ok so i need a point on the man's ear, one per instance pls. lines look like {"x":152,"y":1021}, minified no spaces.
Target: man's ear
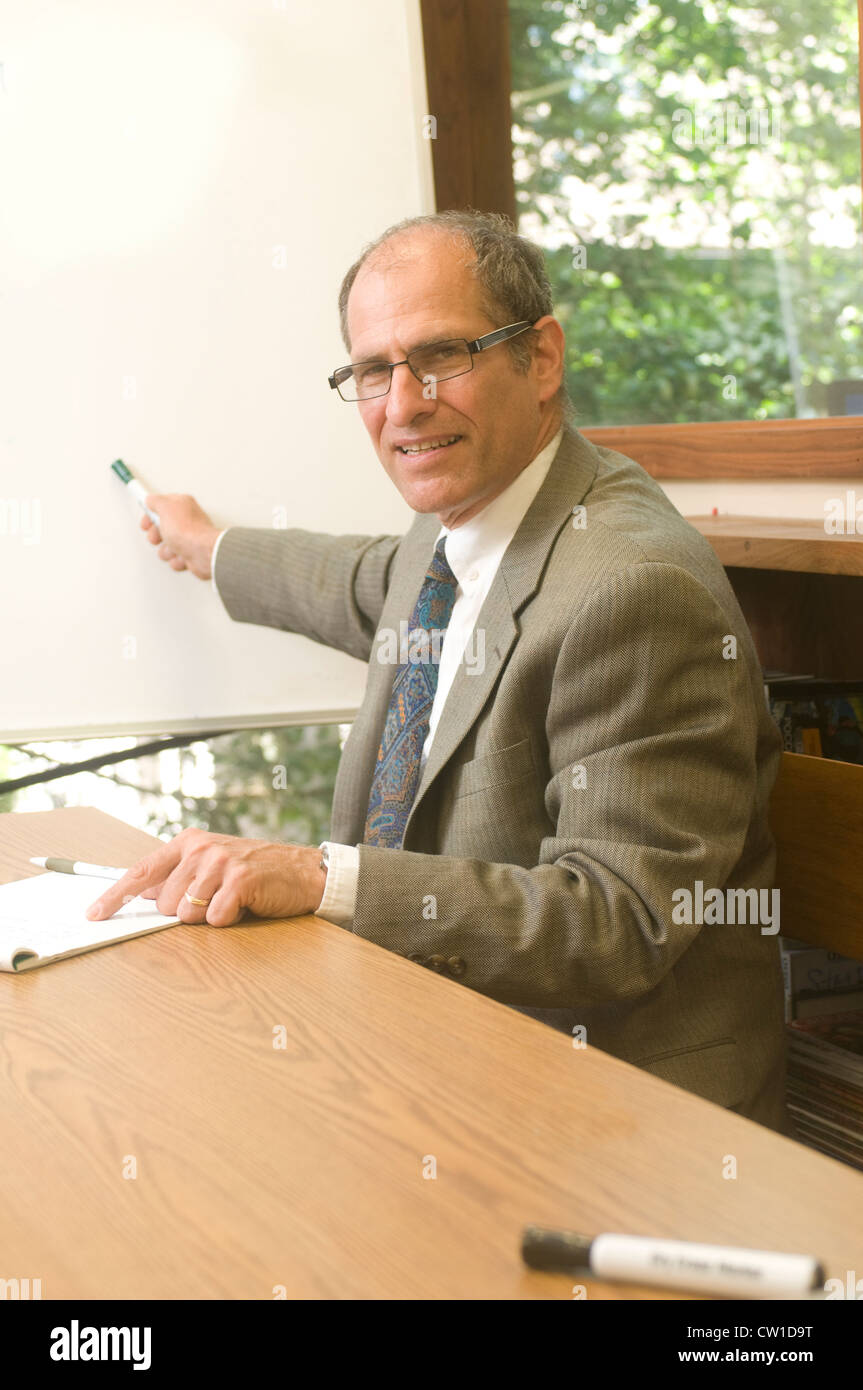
{"x":548,"y":355}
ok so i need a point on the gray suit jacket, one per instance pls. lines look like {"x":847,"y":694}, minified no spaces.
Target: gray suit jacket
{"x":546,"y":887}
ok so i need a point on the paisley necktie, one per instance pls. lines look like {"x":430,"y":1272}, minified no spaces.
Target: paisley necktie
{"x":397,"y":771}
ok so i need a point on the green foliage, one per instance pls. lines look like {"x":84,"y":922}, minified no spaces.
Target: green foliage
{"x":657,"y":322}
{"x":272,"y":784}
{"x":669,"y":337}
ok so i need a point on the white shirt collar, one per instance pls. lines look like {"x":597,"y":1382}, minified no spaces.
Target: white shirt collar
{"x":481,"y":542}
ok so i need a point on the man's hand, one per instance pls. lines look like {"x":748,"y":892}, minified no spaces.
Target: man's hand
{"x":186,"y":535}
{"x":231,"y":874}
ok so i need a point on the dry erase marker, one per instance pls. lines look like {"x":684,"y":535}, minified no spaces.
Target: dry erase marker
{"x":674,"y":1264}
{"x":77,"y":866}
{"x":138,"y":491}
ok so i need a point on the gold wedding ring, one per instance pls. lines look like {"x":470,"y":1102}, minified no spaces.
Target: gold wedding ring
{"x":197,"y":902}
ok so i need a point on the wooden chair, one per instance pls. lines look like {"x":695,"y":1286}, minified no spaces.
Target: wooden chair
{"x":816,"y":815}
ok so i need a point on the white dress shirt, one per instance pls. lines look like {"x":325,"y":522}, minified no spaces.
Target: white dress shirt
{"x":474,"y":552}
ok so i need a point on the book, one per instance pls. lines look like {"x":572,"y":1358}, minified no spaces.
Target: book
{"x":817,"y":716}
{"x":815,"y":970}
{"x":817,"y":1005}
{"x":42,"y":919}
{"x":839,"y":1039}
{"x":818,"y":981}
{"x":825,"y":1084}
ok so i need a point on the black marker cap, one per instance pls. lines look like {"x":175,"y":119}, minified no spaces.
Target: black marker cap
{"x":563,"y":1251}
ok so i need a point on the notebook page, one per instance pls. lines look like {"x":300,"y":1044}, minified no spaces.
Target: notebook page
{"x":43,"y":917}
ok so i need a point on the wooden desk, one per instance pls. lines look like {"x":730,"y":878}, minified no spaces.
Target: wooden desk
{"x":303,"y":1167}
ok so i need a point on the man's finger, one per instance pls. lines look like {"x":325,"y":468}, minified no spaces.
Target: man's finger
{"x":226,"y":906}
{"x":153,"y":869}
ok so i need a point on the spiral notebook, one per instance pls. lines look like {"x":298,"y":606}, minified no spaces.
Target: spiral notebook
{"x":42,"y":918}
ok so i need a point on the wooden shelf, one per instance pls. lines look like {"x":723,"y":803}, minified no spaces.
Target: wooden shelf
{"x":780,"y":450}
{"x":758,"y":542}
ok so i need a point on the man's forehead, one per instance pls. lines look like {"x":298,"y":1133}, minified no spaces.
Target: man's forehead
{"x":411,"y":289}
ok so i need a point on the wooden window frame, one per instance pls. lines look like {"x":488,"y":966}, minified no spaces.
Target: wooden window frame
{"x":468,"y":80}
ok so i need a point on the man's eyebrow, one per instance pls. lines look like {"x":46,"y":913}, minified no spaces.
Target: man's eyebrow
{"x":426,"y":342}
{"x":372,"y":357}
{"x":438,"y":338}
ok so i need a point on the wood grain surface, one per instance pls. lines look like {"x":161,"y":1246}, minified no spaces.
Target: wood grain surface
{"x":760,"y":542}
{"x":816,"y":815}
{"x":260,"y":1168}
{"x":778,"y":449}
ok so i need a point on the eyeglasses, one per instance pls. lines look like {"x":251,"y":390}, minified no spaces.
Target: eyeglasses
{"x":361,"y":381}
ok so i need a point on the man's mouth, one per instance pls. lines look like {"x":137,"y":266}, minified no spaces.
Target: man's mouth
{"x":427,"y":446}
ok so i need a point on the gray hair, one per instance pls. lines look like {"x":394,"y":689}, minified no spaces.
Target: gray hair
{"x":509,"y":269}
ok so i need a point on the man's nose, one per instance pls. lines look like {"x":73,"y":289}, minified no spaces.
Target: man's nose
{"x":406,"y":398}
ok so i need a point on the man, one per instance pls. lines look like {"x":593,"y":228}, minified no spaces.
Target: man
{"x":564,"y":734}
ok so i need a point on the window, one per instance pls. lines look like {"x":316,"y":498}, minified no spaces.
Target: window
{"x":693,"y":171}
{"x":272,"y":784}
{"x":752,"y":346}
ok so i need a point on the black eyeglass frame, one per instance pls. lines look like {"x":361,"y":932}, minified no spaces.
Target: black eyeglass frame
{"x":474,"y":345}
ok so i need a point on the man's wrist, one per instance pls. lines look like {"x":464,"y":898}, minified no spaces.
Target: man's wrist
{"x":340,"y":893}
{"x":206,"y":548}
{"x":319,"y":863}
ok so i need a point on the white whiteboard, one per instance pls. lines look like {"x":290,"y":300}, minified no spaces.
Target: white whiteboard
{"x":182,"y":188}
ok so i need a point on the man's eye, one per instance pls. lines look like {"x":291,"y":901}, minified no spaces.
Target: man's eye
{"x":440,"y":355}
{"x":369,"y":373}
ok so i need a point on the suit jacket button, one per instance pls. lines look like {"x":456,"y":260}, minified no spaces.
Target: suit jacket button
{"x":437,"y":963}
{"x":456,"y":965}
{"x":420,"y":960}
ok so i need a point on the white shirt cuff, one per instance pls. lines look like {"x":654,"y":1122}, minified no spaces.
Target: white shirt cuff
{"x":340,"y":894}
{"x":213,"y":560}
